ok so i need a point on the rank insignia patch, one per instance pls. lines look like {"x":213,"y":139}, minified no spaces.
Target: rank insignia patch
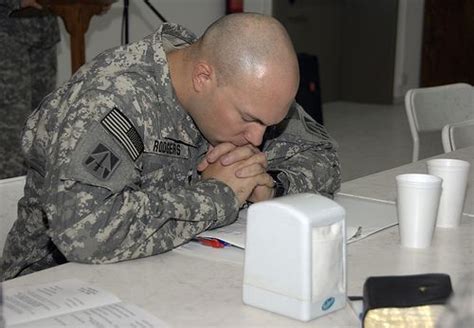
{"x":102,"y":162}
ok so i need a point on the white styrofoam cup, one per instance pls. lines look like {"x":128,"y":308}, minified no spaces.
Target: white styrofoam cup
{"x":417,"y":205}
{"x":454,"y":173}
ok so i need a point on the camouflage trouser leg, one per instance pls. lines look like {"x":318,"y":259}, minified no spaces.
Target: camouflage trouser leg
{"x":26,"y":76}
{"x":43,"y":73}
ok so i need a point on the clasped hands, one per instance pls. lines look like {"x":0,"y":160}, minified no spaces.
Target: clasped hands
{"x":243,"y":169}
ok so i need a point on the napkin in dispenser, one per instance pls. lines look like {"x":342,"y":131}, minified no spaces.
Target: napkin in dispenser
{"x":295,"y":256}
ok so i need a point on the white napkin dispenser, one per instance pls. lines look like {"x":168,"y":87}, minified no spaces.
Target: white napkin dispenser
{"x":295,"y":256}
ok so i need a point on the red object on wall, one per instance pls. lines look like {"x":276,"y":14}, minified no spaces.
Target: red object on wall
{"x":234,"y":6}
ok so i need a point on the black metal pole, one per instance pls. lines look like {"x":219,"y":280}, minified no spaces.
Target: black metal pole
{"x":157,"y":13}
{"x":125,"y":22}
{"x":125,"y":18}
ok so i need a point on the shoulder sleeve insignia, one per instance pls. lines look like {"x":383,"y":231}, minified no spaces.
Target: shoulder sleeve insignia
{"x":122,"y":129}
{"x":101,"y":162}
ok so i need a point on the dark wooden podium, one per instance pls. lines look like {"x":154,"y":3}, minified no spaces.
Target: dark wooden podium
{"x":76,"y":15}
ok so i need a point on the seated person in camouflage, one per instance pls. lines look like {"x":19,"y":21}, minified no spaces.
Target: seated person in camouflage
{"x":152,"y":143}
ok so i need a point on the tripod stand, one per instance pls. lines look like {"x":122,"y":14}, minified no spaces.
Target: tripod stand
{"x":125,"y":19}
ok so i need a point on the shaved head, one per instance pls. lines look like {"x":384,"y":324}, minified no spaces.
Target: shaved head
{"x":245,"y":45}
{"x":239,"y":78}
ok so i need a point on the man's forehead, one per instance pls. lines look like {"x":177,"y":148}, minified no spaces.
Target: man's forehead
{"x":269,"y":105}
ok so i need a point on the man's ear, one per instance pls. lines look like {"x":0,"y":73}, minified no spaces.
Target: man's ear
{"x":203,"y":76}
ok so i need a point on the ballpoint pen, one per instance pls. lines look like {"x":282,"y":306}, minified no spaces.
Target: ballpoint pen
{"x":212,"y":242}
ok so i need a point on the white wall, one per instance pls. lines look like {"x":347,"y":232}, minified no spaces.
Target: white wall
{"x":259,"y":6}
{"x":408,"y":53}
{"x":104,"y":31}
{"x":317,"y":27}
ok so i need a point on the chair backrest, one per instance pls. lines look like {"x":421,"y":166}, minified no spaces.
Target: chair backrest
{"x":11,"y":190}
{"x":430,"y":109}
{"x":458,"y":135}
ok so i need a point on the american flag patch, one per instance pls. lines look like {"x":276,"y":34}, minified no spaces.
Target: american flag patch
{"x":122,"y":129}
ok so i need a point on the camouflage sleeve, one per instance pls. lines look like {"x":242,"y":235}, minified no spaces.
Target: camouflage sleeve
{"x":100,"y":209}
{"x":11,"y":4}
{"x":302,"y":155}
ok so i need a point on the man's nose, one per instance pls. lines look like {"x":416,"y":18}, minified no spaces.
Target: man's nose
{"x":255,"y":134}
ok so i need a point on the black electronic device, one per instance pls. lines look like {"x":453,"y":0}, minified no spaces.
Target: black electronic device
{"x":309,"y":90}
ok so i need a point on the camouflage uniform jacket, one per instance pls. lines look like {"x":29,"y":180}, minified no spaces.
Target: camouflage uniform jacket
{"x":41,"y":31}
{"x":112,"y":164}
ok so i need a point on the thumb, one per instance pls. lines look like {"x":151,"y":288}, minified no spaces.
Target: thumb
{"x":202,"y":165}
{"x":265,"y":179}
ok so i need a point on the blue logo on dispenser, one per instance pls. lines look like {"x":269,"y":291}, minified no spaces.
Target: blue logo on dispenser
{"x":328,"y":303}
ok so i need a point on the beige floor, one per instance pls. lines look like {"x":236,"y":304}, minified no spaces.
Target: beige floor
{"x":371,"y":138}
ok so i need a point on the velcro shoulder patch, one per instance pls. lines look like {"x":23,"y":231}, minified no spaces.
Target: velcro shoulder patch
{"x":101,"y":162}
{"x":123,"y":130}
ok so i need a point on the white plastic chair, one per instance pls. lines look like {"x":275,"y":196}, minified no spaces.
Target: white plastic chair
{"x":458,"y":135}
{"x":11,"y":190}
{"x":430,"y":109}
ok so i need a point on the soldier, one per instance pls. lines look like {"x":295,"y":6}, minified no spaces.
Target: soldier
{"x":27,"y":74}
{"x":154,"y":142}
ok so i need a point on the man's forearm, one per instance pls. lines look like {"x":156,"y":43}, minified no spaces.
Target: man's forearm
{"x":314,"y":169}
{"x":133,"y":224}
